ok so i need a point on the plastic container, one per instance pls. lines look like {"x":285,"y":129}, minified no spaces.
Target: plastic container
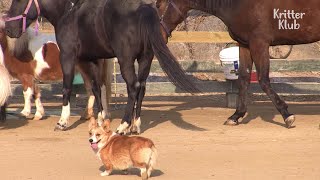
{"x":229,"y":58}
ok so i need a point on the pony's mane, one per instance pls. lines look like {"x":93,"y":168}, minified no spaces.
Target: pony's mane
{"x":19,"y":47}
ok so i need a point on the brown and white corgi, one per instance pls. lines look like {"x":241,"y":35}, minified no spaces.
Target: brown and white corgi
{"x":121,"y":152}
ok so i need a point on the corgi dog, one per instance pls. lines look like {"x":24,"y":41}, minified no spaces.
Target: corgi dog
{"x":121,"y":152}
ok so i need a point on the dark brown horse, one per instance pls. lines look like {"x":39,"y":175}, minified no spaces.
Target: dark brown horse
{"x":256,"y":25}
{"x":43,"y":64}
{"x":95,"y":29}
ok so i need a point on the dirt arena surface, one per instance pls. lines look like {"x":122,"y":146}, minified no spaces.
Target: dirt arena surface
{"x":191,"y":139}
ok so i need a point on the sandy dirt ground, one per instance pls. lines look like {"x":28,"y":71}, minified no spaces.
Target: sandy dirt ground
{"x":191,"y":139}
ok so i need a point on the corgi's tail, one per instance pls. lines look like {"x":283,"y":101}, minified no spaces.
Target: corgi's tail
{"x":153,"y":156}
{"x":152,"y":160}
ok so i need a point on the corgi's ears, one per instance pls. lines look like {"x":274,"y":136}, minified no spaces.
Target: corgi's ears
{"x":106,"y":125}
{"x":92,"y":123}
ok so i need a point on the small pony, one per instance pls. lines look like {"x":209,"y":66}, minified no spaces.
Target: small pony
{"x":31,"y":58}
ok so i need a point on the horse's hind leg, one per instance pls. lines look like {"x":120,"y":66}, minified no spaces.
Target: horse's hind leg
{"x":96,"y":89}
{"x":260,"y":54}
{"x":243,"y":83}
{"x":106,"y":72}
{"x":84,"y":71}
{"x":128,"y":73}
{"x":143,"y":73}
{"x":39,"y":107}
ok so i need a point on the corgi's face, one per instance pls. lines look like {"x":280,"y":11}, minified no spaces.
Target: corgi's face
{"x":98,"y":135}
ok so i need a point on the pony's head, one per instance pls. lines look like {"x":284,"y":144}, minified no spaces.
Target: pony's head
{"x":20,"y":15}
{"x":18,"y":47}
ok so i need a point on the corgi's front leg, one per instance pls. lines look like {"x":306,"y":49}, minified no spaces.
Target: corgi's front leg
{"x":105,"y":173}
{"x":108,"y":170}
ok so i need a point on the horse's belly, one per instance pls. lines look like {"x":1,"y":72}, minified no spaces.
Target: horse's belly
{"x":307,"y":34}
{"x":91,"y":51}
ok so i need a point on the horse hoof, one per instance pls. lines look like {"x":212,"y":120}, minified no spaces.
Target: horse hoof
{"x":25,"y":114}
{"x":123,"y":128}
{"x":38,"y":116}
{"x":231,"y":122}
{"x":135,"y":133}
{"x":87,"y":115}
{"x":135,"y":129}
{"x":289,"y":121}
{"x":60,"y":127}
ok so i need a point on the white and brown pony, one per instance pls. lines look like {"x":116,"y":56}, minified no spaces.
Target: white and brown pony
{"x":5,"y":88}
{"x":36,"y":57}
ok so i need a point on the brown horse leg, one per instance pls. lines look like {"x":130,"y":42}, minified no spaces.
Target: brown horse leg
{"x":27,"y":84}
{"x":260,"y":54}
{"x":96,"y":89}
{"x":82,"y":67}
{"x":107,"y":75}
{"x":243,"y":83}
{"x":40,"y":110}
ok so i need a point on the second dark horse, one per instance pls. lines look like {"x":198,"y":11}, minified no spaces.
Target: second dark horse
{"x":96,"y":29}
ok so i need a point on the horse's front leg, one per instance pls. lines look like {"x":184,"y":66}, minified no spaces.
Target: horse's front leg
{"x":27,"y":94}
{"x":27,"y":84}
{"x":128,"y":73}
{"x":260,"y":53}
{"x":67,"y":61}
{"x":243,"y":83}
{"x":39,"y":107}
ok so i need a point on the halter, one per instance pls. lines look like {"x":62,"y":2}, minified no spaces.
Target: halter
{"x":170,"y":2}
{"x":23,"y":16}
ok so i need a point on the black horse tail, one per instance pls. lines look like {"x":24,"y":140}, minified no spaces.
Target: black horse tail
{"x":150,"y":31}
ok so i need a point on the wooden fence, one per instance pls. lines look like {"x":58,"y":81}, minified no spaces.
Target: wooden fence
{"x":223,"y":37}
{"x":193,"y":37}
{"x":200,"y":37}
